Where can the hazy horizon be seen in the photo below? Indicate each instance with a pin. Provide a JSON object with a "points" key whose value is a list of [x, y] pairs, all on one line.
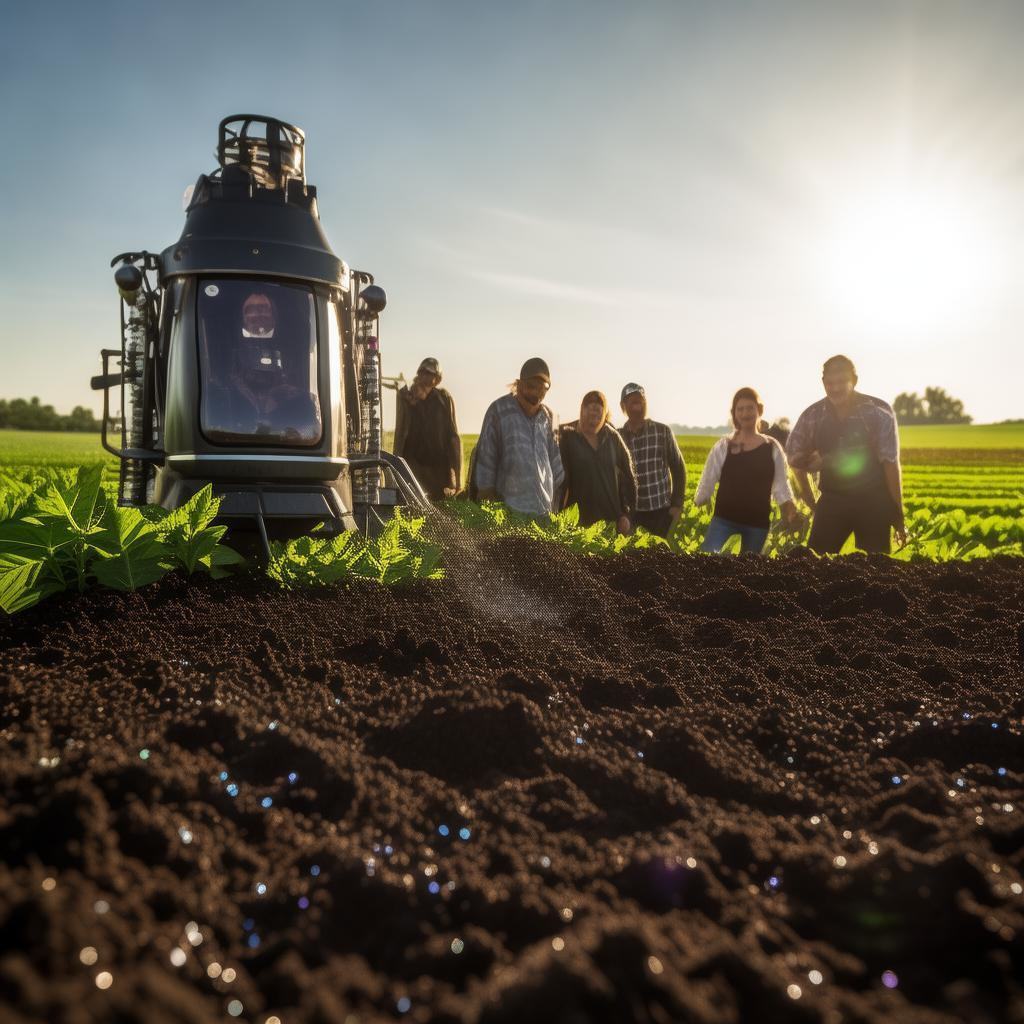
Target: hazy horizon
{"points": [[694, 196]]}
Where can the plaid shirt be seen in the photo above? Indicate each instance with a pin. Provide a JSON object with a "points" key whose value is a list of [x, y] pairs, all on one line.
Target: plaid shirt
{"points": [[660, 470], [878, 419], [853, 450], [518, 456]]}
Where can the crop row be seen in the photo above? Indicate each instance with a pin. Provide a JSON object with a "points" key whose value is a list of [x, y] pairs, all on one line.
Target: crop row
{"points": [[964, 498], [974, 491], [1007, 476], [61, 530], [65, 533], [1010, 508], [939, 470], [934, 536]]}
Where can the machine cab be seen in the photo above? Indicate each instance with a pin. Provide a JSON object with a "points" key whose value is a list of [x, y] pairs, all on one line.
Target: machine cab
{"points": [[258, 363], [249, 356]]}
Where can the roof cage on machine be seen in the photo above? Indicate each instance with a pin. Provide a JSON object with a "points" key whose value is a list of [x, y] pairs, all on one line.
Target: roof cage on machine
{"points": [[271, 151]]}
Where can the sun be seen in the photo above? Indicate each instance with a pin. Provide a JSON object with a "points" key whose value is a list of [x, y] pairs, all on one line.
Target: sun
{"points": [[909, 259]]}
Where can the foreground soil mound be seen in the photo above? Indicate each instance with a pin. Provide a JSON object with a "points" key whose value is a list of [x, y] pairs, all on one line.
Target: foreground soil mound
{"points": [[550, 788]]}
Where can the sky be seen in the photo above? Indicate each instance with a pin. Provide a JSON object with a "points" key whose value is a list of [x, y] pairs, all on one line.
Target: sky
{"points": [[693, 196]]}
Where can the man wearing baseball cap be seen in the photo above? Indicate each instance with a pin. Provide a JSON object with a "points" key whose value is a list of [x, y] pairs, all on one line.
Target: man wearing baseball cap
{"points": [[517, 460], [426, 433], [660, 470]]}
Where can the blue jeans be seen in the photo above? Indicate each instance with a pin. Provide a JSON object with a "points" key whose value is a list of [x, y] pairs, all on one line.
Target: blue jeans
{"points": [[720, 530]]}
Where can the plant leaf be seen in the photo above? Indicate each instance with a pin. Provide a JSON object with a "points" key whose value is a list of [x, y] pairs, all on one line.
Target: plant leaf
{"points": [[35, 539], [18, 576], [136, 556], [79, 501], [221, 559]]}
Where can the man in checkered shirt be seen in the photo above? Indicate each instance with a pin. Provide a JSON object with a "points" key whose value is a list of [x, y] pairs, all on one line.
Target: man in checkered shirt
{"points": [[660, 470], [850, 440]]}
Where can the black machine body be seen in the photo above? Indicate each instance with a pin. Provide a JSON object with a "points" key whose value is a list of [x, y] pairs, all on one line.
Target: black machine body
{"points": [[249, 356]]}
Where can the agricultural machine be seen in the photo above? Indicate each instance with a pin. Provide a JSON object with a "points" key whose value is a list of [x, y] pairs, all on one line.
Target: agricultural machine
{"points": [[249, 357]]}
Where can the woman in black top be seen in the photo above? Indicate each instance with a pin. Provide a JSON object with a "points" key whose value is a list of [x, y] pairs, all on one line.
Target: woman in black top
{"points": [[599, 473], [750, 469]]}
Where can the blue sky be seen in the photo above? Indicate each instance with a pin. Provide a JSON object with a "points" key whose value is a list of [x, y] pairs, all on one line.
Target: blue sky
{"points": [[694, 196]]}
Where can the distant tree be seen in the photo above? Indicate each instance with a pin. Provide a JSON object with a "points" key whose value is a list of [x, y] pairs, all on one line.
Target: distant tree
{"points": [[779, 430], [81, 419], [937, 406], [909, 408], [944, 408], [19, 414]]}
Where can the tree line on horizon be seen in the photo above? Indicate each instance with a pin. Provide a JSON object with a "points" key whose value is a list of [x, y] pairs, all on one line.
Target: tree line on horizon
{"points": [[31, 414], [935, 406]]}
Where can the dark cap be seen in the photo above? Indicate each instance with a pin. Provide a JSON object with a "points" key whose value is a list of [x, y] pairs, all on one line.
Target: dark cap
{"points": [[431, 365], [631, 389], [535, 367]]}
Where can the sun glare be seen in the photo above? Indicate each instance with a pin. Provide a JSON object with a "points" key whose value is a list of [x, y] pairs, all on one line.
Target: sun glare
{"points": [[910, 260]]}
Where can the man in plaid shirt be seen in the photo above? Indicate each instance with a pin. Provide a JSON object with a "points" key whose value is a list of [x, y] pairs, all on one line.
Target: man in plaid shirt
{"points": [[850, 439], [660, 470]]}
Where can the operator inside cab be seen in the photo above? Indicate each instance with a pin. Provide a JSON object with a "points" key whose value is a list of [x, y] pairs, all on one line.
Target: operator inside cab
{"points": [[259, 374], [262, 384]]}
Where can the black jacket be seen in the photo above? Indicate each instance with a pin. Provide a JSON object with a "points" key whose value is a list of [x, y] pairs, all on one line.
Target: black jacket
{"points": [[601, 481], [443, 451]]}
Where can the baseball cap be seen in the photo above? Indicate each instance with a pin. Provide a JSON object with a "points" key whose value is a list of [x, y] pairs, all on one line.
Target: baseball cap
{"points": [[535, 367], [631, 389], [430, 365]]}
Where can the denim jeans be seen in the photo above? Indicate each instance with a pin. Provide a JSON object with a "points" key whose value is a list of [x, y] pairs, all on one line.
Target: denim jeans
{"points": [[720, 530]]}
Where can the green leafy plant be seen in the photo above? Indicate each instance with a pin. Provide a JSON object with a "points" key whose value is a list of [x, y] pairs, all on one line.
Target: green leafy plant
{"points": [[936, 536], [63, 531], [313, 561], [193, 540], [399, 553], [14, 493], [133, 554], [600, 538]]}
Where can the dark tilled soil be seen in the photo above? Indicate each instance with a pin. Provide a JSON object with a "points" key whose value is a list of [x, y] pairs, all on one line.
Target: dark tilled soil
{"points": [[551, 788]]}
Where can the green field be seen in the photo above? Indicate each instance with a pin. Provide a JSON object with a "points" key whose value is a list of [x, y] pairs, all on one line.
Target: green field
{"points": [[963, 485], [989, 446], [43, 448], [25, 447], [988, 435], [973, 467]]}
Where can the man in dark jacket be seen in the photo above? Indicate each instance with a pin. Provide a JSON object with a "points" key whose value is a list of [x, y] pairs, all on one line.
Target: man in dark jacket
{"points": [[426, 433]]}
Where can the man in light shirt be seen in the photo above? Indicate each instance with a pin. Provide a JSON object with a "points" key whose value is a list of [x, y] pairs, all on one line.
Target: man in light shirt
{"points": [[517, 460]]}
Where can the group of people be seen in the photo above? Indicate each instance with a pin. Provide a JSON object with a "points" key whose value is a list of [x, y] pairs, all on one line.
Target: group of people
{"points": [[634, 475]]}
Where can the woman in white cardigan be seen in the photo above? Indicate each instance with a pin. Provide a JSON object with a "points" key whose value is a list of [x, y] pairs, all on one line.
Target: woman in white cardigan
{"points": [[750, 470]]}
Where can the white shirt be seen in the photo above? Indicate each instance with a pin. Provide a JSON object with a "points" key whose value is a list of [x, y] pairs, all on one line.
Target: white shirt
{"points": [[781, 491]]}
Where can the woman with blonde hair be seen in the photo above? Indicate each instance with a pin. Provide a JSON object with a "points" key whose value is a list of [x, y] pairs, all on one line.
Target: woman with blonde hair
{"points": [[750, 470], [599, 474]]}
